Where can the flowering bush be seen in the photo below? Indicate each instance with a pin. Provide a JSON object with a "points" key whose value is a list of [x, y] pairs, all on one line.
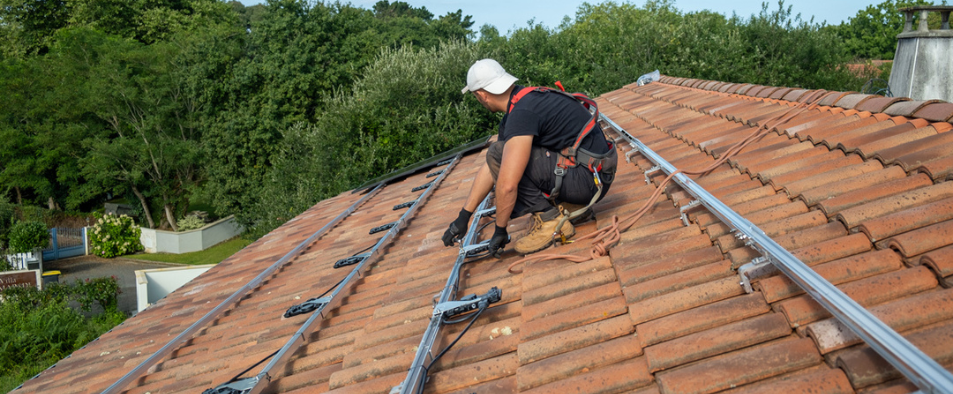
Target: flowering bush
{"points": [[113, 236]]}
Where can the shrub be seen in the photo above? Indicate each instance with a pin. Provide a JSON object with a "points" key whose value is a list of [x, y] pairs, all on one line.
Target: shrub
{"points": [[104, 291], [113, 236], [7, 216], [26, 236], [190, 222]]}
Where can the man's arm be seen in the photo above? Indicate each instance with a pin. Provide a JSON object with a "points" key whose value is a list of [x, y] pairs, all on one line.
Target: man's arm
{"points": [[516, 154]]}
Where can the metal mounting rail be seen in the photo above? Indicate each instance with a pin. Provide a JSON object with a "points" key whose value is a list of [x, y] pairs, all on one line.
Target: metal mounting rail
{"points": [[136, 372], [260, 382], [415, 376], [922, 371]]}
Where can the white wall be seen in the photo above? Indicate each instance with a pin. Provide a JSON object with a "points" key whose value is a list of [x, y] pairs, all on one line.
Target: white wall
{"points": [[152, 285], [158, 241]]}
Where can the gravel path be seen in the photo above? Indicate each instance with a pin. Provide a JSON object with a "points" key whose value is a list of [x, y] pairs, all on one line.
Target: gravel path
{"points": [[86, 267]]}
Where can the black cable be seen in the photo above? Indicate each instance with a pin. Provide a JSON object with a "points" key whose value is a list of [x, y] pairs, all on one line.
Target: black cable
{"points": [[473, 317], [332, 288], [252, 367]]}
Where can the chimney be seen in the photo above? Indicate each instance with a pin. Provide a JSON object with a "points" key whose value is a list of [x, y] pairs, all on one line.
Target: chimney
{"points": [[922, 67]]}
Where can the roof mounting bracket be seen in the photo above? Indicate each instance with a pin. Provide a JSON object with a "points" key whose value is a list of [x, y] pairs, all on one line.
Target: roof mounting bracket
{"points": [[648, 180], [384, 227], [684, 210], [403, 205], [241, 386], [396, 389], [486, 212], [307, 306], [445, 162], [435, 173], [351, 260], [629, 154], [422, 187], [468, 303], [473, 250], [758, 268]]}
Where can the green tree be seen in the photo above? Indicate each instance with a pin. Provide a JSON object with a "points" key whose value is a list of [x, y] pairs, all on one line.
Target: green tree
{"points": [[872, 32]]}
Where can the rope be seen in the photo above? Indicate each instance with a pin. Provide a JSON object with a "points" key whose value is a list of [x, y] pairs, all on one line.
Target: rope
{"points": [[607, 237]]}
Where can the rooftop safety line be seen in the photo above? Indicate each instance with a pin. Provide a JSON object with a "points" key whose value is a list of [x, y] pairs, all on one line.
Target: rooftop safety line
{"points": [[415, 375], [213, 314], [258, 383], [922, 371]]}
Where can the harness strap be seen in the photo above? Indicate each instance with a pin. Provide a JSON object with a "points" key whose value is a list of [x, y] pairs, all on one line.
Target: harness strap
{"points": [[569, 157]]}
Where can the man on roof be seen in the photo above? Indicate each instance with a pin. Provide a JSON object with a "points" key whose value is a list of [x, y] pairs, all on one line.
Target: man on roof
{"points": [[550, 160]]}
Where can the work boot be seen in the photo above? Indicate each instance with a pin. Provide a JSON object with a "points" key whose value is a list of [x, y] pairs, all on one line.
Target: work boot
{"points": [[585, 216], [541, 236]]}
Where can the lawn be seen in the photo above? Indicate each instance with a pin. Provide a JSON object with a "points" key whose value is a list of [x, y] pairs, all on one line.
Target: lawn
{"points": [[213, 255]]}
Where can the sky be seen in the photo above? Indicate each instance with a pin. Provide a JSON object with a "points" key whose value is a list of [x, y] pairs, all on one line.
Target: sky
{"points": [[507, 15]]}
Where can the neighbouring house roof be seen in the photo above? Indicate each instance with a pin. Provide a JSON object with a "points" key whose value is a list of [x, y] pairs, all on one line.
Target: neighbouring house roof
{"points": [[857, 188]]}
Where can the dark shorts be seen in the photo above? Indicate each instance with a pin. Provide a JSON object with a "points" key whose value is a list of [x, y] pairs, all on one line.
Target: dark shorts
{"points": [[539, 178]]}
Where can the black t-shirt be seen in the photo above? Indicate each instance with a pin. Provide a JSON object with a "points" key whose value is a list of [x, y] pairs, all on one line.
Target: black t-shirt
{"points": [[554, 120]]}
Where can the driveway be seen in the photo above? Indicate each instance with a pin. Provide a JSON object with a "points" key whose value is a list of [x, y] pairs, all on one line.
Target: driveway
{"points": [[87, 267]]}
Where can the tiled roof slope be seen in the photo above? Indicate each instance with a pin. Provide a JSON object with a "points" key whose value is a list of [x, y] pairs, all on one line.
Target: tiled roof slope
{"points": [[854, 188]]}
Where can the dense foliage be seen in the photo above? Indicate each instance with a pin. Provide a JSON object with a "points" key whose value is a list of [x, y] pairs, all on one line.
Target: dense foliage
{"points": [[38, 328], [26, 236], [872, 32], [113, 236], [263, 111]]}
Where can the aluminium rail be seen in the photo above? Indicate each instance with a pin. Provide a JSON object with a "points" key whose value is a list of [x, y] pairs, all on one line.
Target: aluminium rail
{"points": [[261, 381], [922, 371], [154, 359], [424, 351]]}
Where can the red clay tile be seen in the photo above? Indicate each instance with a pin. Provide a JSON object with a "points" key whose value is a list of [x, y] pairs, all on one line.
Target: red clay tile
{"points": [[808, 381], [822, 193], [844, 270], [670, 265], [578, 361], [685, 299], [571, 301], [922, 240], [581, 337], [913, 160], [907, 220], [832, 97], [652, 288], [879, 200], [569, 319], [907, 108], [471, 374], [864, 367], [938, 169], [871, 149], [940, 260], [740, 368], [831, 178], [937, 112], [701, 318], [902, 315], [716, 341], [879, 104], [875, 290], [852, 101]]}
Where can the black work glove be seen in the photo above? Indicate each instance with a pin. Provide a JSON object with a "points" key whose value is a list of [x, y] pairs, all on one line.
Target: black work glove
{"points": [[457, 228], [499, 240]]}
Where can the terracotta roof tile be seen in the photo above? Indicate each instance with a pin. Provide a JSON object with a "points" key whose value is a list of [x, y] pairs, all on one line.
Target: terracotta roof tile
{"points": [[821, 193], [923, 239], [907, 108], [741, 367], [579, 361], [940, 261], [685, 299], [819, 380], [830, 98], [723, 339], [852, 101], [847, 269], [874, 290], [879, 104], [937, 112], [865, 368], [908, 219], [891, 203], [909, 313]]}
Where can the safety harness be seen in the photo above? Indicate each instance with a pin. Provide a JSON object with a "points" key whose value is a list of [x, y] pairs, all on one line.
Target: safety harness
{"points": [[573, 155]]}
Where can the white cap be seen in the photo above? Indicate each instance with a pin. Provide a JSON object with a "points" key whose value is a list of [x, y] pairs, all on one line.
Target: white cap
{"points": [[488, 75]]}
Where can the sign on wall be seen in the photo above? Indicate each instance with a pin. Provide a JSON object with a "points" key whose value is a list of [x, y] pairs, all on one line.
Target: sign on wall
{"points": [[19, 279]]}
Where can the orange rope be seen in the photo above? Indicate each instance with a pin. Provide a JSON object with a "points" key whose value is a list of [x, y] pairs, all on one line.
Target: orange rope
{"points": [[607, 237]]}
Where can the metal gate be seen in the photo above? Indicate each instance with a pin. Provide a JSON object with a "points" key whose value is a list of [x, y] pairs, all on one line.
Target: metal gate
{"points": [[65, 242]]}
